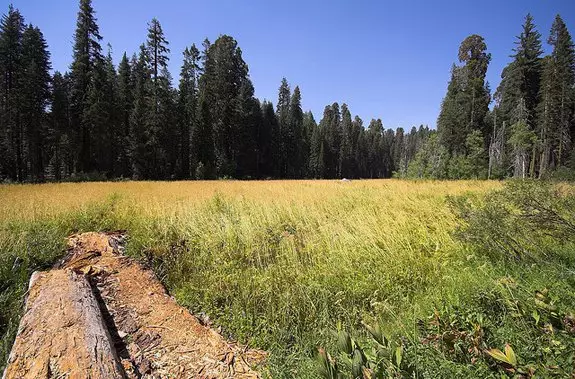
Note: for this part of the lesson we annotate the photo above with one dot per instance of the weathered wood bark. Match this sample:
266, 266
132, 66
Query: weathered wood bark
161, 339
62, 333
99, 314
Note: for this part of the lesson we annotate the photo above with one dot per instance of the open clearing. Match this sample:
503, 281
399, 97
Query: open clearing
280, 265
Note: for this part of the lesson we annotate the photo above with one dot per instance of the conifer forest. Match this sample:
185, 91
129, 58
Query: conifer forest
131, 119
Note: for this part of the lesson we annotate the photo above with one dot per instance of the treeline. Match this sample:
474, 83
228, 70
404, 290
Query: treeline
529, 132
99, 121
104, 121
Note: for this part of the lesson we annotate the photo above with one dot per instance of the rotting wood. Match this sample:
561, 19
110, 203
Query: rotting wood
62, 333
100, 314
154, 328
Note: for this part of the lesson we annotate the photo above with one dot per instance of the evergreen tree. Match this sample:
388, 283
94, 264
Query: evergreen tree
60, 138
309, 125
266, 130
386, 149
466, 104
374, 151
250, 118
159, 129
112, 144
204, 140
229, 92
345, 168
99, 116
139, 134
398, 152
332, 136
557, 101
475, 91
296, 149
87, 57
125, 104
188, 104
35, 95
520, 85
451, 123
317, 146
11, 130
285, 136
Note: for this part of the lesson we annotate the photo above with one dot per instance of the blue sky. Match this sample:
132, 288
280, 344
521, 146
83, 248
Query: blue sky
385, 59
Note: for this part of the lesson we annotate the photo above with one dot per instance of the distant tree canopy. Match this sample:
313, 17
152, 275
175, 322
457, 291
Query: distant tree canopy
101, 121
530, 130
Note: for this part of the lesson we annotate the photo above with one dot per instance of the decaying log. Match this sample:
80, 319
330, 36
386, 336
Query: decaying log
161, 338
62, 333
100, 314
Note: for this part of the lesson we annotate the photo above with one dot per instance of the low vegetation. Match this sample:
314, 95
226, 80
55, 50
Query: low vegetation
382, 278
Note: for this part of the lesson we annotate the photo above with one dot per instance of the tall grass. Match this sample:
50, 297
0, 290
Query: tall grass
279, 265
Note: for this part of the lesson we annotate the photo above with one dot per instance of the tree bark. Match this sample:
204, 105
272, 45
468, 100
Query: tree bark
62, 333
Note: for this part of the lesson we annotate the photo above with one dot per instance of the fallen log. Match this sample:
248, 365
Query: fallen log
62, 332
100, 314
158, 338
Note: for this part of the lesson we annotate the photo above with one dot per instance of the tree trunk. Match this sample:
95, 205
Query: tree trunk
62, 333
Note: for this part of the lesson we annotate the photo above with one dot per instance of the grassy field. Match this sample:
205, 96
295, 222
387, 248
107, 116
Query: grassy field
286, 265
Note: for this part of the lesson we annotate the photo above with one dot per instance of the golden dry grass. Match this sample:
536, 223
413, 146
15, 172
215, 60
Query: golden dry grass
277, 263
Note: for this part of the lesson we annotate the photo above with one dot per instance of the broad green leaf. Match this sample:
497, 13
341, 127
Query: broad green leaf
498, 355
510, 354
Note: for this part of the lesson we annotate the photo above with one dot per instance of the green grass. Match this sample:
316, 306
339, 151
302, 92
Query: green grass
283, 265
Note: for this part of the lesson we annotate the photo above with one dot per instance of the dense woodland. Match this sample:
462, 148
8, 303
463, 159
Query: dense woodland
100, 120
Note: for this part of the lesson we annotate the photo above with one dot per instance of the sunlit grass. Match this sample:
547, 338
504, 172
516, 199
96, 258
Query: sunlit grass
278, 264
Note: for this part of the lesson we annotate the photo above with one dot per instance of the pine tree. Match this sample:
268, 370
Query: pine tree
86, 58
60, 138
387, 142
160, 109
520, 86
285, 137
309, 125
139, 135
226, 84
362, 152
317, 157
204, 140
11, 131
345, 168
125, 104
332, 137
188, 104
295, 151
466, 103
556, 107
374, 151
250, 118
35, 95
112, 129
528, 68
267, 127
398, 152
100, 116
451, 123
203, 133
475, 95
158, 50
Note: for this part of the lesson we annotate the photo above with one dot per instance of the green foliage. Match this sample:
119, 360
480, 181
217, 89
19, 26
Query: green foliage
431, 161
525, 220
379, 357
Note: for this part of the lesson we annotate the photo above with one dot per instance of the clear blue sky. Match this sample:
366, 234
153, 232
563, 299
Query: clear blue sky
385, 59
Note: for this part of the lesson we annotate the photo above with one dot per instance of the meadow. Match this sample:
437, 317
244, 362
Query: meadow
293, 266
